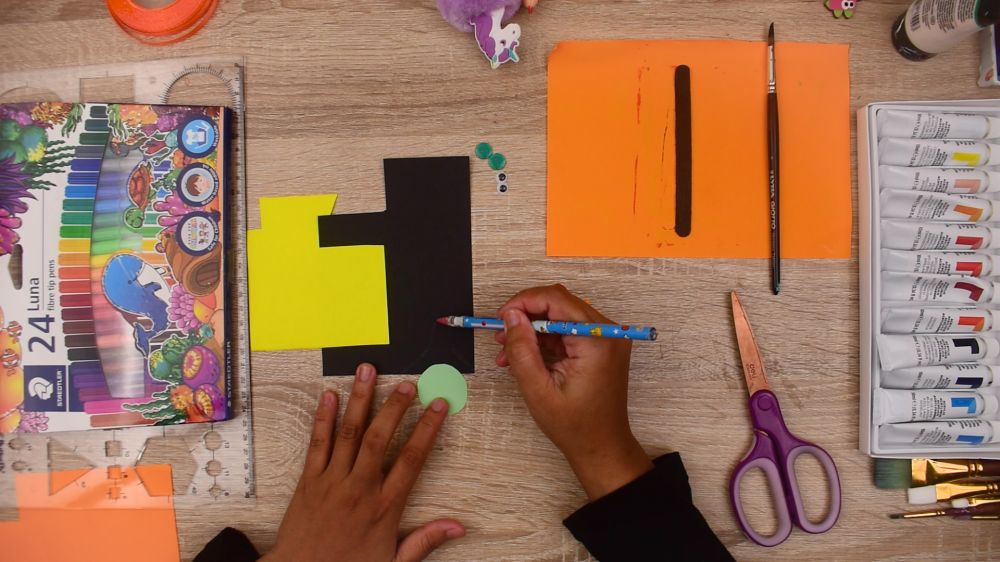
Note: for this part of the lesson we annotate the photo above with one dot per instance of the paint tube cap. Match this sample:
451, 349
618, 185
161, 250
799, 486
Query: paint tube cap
993, 183
994, 126
991, 403
996, 291
992, 348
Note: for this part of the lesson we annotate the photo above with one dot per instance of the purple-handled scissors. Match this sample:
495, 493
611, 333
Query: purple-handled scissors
774, 450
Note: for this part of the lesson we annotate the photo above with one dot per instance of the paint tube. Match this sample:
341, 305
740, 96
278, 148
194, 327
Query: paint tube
898, 406
929, 27
897, 352
957, 432
941, 180
937, 320
938, 289
926, 125
958, 375
909, 235
920, 205
931, 152
941, 263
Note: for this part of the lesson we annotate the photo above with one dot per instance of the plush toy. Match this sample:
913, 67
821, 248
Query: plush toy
486, 18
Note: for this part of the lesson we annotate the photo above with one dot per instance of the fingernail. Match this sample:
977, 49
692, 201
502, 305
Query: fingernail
328, 398
439, 404
455, 532
510, 319
365, 373
531, 9
405, 388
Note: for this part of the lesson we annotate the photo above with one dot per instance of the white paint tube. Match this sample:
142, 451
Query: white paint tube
909, 235
921, 205
958, 432
941, 263
898, 406
898, 352
938, 289
932, 152
957, 375
965, 320
926, 125
941, 180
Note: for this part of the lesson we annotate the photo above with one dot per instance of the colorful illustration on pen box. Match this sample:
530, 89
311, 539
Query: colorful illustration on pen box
112, 261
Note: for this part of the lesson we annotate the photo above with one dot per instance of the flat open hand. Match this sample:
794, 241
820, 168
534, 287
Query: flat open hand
346, 507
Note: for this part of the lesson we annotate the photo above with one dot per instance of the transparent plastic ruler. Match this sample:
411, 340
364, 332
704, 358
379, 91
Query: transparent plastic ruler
212, 462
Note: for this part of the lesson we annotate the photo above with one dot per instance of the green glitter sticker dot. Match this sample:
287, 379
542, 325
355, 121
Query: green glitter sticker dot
483, 150
498, 161
443, 381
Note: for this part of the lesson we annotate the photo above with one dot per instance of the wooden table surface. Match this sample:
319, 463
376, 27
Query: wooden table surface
333, 87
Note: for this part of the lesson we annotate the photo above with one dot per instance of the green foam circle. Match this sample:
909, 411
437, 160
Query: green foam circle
443, 381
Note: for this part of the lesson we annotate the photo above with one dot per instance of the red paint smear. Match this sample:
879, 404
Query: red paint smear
635, 183
638, 95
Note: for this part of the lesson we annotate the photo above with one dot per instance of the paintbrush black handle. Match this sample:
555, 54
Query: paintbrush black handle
773, 181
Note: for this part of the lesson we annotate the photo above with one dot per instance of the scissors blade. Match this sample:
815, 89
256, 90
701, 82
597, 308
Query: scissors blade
753, 365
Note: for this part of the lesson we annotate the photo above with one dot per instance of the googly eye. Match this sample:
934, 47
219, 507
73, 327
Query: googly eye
502, 188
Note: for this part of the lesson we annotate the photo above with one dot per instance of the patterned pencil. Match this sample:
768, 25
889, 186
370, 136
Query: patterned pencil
557, 327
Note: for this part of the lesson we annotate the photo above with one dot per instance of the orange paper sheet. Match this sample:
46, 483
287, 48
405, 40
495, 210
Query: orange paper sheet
101, 515
611, 149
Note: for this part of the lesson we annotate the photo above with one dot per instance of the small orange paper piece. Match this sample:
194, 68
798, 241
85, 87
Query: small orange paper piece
93, 517
611, 149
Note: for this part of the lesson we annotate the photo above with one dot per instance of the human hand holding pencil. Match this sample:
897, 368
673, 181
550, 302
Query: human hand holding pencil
576, 388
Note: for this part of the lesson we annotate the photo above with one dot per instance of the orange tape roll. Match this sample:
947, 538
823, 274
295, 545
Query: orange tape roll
164, 25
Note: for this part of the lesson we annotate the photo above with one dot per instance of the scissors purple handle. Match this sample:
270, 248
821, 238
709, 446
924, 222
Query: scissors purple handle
774, 451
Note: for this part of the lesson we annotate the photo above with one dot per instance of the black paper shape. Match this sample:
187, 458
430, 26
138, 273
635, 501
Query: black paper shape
426, 230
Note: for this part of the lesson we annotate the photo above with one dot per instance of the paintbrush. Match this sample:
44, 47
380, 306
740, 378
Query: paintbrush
910, 473
992, 510
950, 491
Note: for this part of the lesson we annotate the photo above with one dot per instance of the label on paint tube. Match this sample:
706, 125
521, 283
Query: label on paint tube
938, 289
926, 125
958, 432
929, 152
898, 406
940, 263
936, 320
921, 205
909, 235
940, 180
958, 375
898, 352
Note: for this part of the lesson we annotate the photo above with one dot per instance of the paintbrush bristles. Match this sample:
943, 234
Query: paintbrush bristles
892, 474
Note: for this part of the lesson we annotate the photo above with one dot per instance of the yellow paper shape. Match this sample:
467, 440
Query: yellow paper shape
303, 296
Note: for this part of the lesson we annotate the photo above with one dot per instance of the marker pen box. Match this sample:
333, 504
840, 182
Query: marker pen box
113, 238
872, 304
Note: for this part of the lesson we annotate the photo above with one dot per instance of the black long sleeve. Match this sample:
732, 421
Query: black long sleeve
228, 546
649, 519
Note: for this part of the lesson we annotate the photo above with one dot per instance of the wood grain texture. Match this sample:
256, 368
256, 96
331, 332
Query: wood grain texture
334, 86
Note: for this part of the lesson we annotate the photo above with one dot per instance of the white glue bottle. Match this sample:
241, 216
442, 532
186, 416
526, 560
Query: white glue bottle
929, 27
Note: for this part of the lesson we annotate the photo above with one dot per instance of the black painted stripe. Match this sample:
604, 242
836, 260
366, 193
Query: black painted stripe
682, 145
